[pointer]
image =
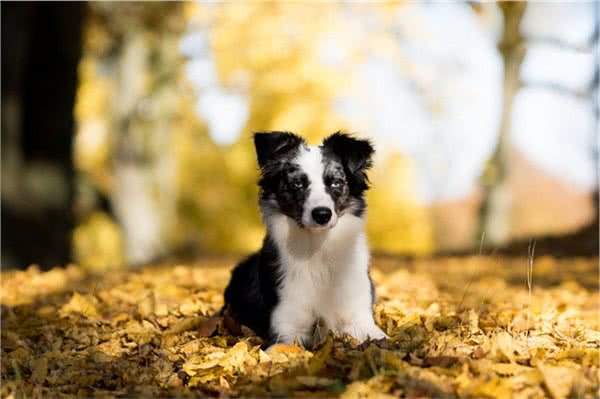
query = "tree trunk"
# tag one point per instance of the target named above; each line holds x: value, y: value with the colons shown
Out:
x: 41, y: 47
x: 495, y: 210
x: 144, y: 62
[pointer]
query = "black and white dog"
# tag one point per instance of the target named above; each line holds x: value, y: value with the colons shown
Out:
x: 314, y: 263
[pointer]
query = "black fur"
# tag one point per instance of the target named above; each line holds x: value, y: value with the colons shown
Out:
x: 354, y: 156
x: 272, y: 147
x: 252, y: 291
x: 283, y: 186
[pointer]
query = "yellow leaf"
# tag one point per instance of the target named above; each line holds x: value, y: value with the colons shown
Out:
x: 285, y: 348
x: 234, y: 359
x: 503, y: 344
x: 558, y: 380
x: 39, y: 370
x: 263, y: 357
x: 493, y: 388
x: 80, y: 304
x: 319, y: 359
x: 509, y: 368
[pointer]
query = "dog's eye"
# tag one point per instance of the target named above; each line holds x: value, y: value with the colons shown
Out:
x: 298, y: 184
x: 335, y: 184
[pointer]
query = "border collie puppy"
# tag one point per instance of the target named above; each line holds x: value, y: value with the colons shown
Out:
x: 314, y: 263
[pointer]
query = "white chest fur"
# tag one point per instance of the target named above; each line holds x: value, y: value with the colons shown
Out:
x: 325, y: 276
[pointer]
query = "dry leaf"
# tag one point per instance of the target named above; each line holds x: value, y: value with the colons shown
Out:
x: 478, y: 353
x: 39, y: 370
x: 123, y: 352
x: 284, y: 348
x: 558, y: 380
x: 234, y: 327
x: 503, y: 343
x: 510, y: 368
x: 148, y: 305
x: 84, y: 305
x: 318, y: 360
x: 316, y: 382
x: 208, y: 327
x: 235, y: 358
x: 187, y: 324
x: 492, y: 388
x: 441, y: 361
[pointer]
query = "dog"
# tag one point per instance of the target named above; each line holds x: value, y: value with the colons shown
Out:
x: 313, y: 268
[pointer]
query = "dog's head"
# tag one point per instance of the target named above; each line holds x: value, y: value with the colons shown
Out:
x: 313, y: 185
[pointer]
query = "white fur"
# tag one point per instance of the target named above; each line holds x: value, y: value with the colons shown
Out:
x: 325, y: 271
x: 311, y: 162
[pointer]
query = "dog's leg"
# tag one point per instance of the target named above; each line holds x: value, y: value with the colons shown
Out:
x: 361, y: 327
x: 291, y: 323
x: 352, y: 312
x: 355, y: 318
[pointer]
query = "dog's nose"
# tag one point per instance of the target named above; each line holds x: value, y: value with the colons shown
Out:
x: 321, y: 214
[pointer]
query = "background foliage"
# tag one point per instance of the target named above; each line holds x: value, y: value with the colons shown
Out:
x: 156, y: 158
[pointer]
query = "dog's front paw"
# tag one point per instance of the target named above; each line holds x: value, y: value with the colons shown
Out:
x: 378, y: 333
x: 373, y: 333
x: 366, y: 331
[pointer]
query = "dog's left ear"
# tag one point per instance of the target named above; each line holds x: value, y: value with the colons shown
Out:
x: 274, y: 145
x: 355, y: 154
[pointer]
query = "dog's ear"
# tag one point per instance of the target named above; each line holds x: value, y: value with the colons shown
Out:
x: 355, y: 154
x: 273, y: 145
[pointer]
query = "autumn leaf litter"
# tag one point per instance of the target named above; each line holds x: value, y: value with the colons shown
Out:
x: 458, y: 327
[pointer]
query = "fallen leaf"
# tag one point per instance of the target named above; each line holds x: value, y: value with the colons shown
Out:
x: 190, y: 323
x: 263, y: 357
x: 234, y: 358
x: 492, y: 388
x: 510, y: 368
x: 446, y: 322
x: 503, y: 344
x: 478, y: 353
x: 318, y: 360
x: 316, y: 382
x: 84, y: 305
x: 147, y: 305
x: 233, y: 326
x: 124, y: 353
x: 441, y: 361
x: 209, y: 326
x: 558, y: 380
x: 284, y: 348
x: 39, y: 370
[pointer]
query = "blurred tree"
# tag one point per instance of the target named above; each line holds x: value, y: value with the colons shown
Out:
x: 495, y: 209
x: 396, y: 223
x: 40, y: 51
x: 126, y: 106
x: 288, y: 78
x: 288, y: 86
x: 551, y: 83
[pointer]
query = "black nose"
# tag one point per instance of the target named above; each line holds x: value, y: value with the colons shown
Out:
x: 321, y: 214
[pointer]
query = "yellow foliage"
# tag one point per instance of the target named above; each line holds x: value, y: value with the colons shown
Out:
x: 98, y: 243
x: 396, y: 222
x: 91, y: 150
x: 84, y: 305
x: 94, y: 92
x: 148, y: 325
x: 270, y: 51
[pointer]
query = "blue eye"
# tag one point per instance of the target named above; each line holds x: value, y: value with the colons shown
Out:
x: 335, y: 184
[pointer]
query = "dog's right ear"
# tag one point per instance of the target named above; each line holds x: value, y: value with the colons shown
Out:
x: 274, y: 145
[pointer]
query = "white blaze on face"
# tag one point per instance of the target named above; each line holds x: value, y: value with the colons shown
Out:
x: 310, y: 161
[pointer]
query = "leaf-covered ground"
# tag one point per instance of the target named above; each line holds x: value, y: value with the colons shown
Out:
x: 459, y: 327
